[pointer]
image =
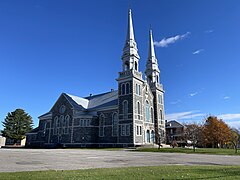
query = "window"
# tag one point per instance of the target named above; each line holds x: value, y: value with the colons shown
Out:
x: 81, y: 123
x: 123, y: 89
x: 60, y: 121
x: 115, y: 124
x: 126, y: 66
x: 101, y: 126
x: 160, y: 99
x: 147, y: 111
x: 152, y: 136
x: 139, y: 130
x: 138, y: 92
x: 125, y: 109
x: 157, y: 79
x: 149, y: 78
x: 128, y: 129
x: 148, y: 136
x: 123, y: 130
x: 55, y: 125
x: 152, y: 117
x: 161, y: 115
x: 136, y: 66
x: 88, y: 122
x: 127, y: 88
x: 138, y: 109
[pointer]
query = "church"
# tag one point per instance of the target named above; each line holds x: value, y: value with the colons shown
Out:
x: 131, y: 116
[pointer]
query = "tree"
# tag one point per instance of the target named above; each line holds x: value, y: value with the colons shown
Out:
x: 235, y: 138
x: 193, y: 133
x: 16, y: 125
x: 216, y: 132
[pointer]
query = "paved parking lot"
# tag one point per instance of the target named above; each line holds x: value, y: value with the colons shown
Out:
x: 66, y: 159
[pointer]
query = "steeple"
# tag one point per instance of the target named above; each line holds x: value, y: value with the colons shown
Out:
x: 130, y: 33
x: 130, y: 55
x: 152, y: 70
x: 151, y: 51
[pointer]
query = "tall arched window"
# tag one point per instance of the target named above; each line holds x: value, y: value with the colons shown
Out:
x: 152, y: 136
x: 148, y: 136
x: 127, y: 88
x: 136, y: 66
x: 157, y: 79
x: 115, y: 124
x: 123, y: 89
x: 138, y: 109
x: 101, y: 125
x: 67, y: 118
x: 161, y: 115
x: 125, y: 109
x: 152, y: 117
x: 147, y: 111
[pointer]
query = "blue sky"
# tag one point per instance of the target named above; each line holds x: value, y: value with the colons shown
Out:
x: 50, y: 47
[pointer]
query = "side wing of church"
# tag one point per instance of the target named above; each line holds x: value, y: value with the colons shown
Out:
x: 131, y: 116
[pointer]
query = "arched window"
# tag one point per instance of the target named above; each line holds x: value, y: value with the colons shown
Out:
x: 157, y: 79
x: 126, y: 66
x: 123, y: 89
x: 67, y: 118
x: 136, y: 66
x: 61, y: 121
x: 148, y: 136
x: 161, y: 115
x: 101, y: 125
x: 152, y: 117
x: 152, y: 137
x: 138, y: 109
x: 147, y: 111
x: 127, y: 88
x: 115, y: 124
x: 149, y: 78
x: 125, y: 109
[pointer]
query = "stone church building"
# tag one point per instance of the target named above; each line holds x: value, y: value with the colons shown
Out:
x: 133, y: 115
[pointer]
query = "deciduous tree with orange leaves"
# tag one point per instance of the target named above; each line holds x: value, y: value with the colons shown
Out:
x: 215, y: 132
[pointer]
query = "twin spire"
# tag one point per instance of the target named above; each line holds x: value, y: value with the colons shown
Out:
x: 130, y: 55
x: 130, y: 33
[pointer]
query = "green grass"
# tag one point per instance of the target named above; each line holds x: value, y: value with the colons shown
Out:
x: 190, y: 151
x: 155, y: 172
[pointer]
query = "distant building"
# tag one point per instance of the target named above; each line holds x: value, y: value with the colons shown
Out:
x: 133, y: 115
x: 10, y: 142
x: 175, y: 131
x: 2, y: 141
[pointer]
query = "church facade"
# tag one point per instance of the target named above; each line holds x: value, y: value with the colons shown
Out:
x: 133, y: 115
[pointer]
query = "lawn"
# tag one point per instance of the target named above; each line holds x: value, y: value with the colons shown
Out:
x: 190, y: 151
x: 154, y: 172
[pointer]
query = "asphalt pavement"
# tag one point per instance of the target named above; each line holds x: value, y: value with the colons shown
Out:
x: 12, y: 160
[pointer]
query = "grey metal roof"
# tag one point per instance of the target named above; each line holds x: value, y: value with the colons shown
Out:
x: 96, y: 101
x: 173, y: 124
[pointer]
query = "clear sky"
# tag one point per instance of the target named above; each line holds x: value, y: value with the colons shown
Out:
x: 50, y: 47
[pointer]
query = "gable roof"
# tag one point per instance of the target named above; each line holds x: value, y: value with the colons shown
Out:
x: 173, y: 124
x: 96, y: 101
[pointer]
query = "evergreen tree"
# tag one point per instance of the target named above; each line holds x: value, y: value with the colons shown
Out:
x: 16, y: 125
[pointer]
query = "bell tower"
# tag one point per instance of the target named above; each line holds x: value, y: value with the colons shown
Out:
x: 127, y: 80
x: 152, y: 73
